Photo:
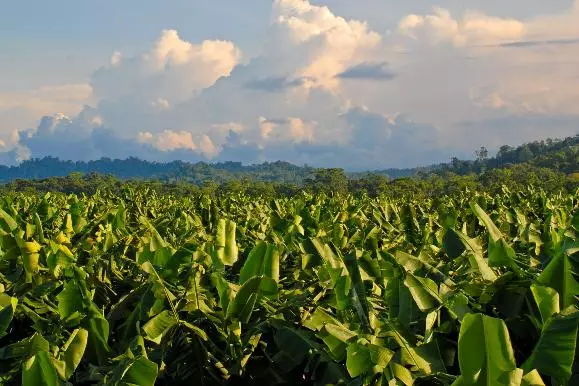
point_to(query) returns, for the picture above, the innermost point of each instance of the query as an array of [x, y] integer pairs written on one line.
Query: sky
[[356, 84]]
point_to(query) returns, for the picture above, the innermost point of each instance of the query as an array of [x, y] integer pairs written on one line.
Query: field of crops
[[139, 289]]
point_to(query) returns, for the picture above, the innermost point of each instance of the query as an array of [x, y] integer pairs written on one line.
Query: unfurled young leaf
[[226, 246]]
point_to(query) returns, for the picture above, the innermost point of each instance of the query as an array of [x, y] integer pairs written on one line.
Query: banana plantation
[[136, 288]]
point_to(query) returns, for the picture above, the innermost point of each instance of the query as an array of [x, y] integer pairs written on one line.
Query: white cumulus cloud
[[320, 43], [291, 129], [173, 70], [168, 140], [473, 28]]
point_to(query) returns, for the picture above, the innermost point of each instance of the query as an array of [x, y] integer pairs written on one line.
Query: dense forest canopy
[[557, 154]]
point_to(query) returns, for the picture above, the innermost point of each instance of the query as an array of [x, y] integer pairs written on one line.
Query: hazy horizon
[[363, 85]]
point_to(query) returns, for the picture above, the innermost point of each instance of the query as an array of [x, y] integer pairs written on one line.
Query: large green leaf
[[242, 305], [263, 260], [39, 371], [25, 348], [158, 326], [7, 223], [336, 271], [361, 358], [74, 350], [134, 367], [453, 244], [294, 347], [399, 374], [141, 372], [358, 359], [494, 232], [319, 319], [532, 378], [336, 338], [547, 300], [70, 299], [72, 355], [420, 265], [157, 251], [424, 292], [224, 290], [474, 252], [559, 275], [97, 349], [501, 254], [327, 254], [426, 357], [484, 352], [554, 353], [358, 297]]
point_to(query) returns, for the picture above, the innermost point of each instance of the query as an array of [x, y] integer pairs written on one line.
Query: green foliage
[[328, 180], [485, 353], [132, 287]]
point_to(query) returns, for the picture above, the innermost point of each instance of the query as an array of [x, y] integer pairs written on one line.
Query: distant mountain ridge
[[558, 154]]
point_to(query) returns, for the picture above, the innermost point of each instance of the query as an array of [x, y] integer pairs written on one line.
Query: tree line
[[551, 164]]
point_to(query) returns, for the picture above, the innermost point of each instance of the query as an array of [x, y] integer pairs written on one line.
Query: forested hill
[[198, 173], [557, 154], [561, 155], [131, 168]]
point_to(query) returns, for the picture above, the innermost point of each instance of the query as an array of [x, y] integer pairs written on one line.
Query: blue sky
[[356, 84]]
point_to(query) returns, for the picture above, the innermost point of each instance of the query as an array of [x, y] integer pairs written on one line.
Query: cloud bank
[[322, 89]]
